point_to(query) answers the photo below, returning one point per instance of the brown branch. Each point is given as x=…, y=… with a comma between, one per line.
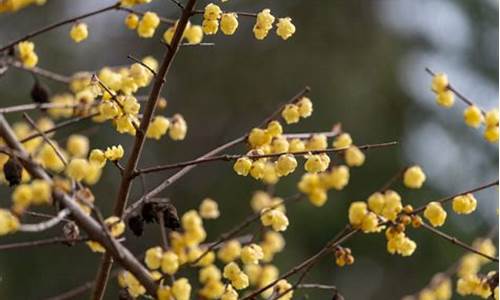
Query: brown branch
x=230, y=157
x=449, y=198
x=88, y=224
x=125, y=185
x=42, y=72
x=239, y=13
x=58, y=24
x=457, y=242
x=44, y=242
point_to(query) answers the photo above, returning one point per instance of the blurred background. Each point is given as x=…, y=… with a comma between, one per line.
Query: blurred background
x=364, y=61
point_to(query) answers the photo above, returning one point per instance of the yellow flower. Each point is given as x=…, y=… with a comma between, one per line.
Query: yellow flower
x=285, y=28
x=440, y=82
x=164, y=292
x=77, y=168
x=97, y=157
x=491, y=134
x=357, y=212
x=305, y=107
x=274, y=218
x=344, y=140
x=435, y=214
x=274, y=129
x=209, y=273
x=181, y=289
x=258, y=169
x=169, y=262
x=242, y=166
x=445, y=98
x=473, y=116
x=49, y=158
x=41, y=192
x=212, y=12
x=168, y=35
x=209, y=209
x=229, y=294
x=115, y=225
x=93, y=175
x=212, y=289
x=337, y=178
x=147, y=25
x=8, y=222
x=317, y=163
x=354, y=157
x=27, y=54
x=132, y=21
x=251, y=254
x=230, y=251
x=464, y=204
x=77, y=145
x=491, y=118
x=158, y=127
x=210, y=27
x=279, y=145
x=153, y=257
x=194, y=34
x=79, y=32
x=229, y=23
x=317, y=197
x=114, y=152
x=317, y=142
x=414, y=177
x=178, y=128
x=259, y=137
x=291, y=113
x=263, y=24
x=296, y=145
x=285, y=164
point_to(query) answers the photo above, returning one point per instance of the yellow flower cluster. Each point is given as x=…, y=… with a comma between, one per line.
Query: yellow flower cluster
x=291, y=113
x=491, y=121
x=38, y=192
x=180, y=290
x=128, y=281
x=209, y=209
x=27, y=55
x=414, y=177
x=435, y=214
x=15, y=5
x=192, y=33
x=398, y=242
x=361, y=217
x=148, y=24
x=274, y=217
x=251, y=254
x=387, y=205
x=178, y=128
x=8, y=222
x=211, y=17
x=238, y=278
x=116, y=228
x=316, y=185
x=229, y=23
x=130, y=3
x=464, y=204
x=264, y=23
x=272, y=243
x=472, y=284
x=440, y=86
x=79, y=32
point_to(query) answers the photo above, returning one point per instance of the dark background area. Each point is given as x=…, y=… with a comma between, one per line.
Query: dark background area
x=364, y=61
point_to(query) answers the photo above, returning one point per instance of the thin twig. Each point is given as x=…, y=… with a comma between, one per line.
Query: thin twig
x=46, y=224
x=42, y=72
x=142, y=64
x=457, y=242
x=44, y=242
x=133, y=11
x=46, y=139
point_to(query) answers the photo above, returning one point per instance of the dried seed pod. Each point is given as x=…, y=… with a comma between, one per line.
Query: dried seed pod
x=39, y=92
x=136, y=225
x=13, y=171
x=123, y=294
x=148, y=212
x=170, y=217
x=71, y=232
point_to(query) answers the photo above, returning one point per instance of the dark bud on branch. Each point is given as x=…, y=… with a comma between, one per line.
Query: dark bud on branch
x=150, y=211
x=136, y=225
x=13, y=171
x=39, y=92
x=71, y=233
